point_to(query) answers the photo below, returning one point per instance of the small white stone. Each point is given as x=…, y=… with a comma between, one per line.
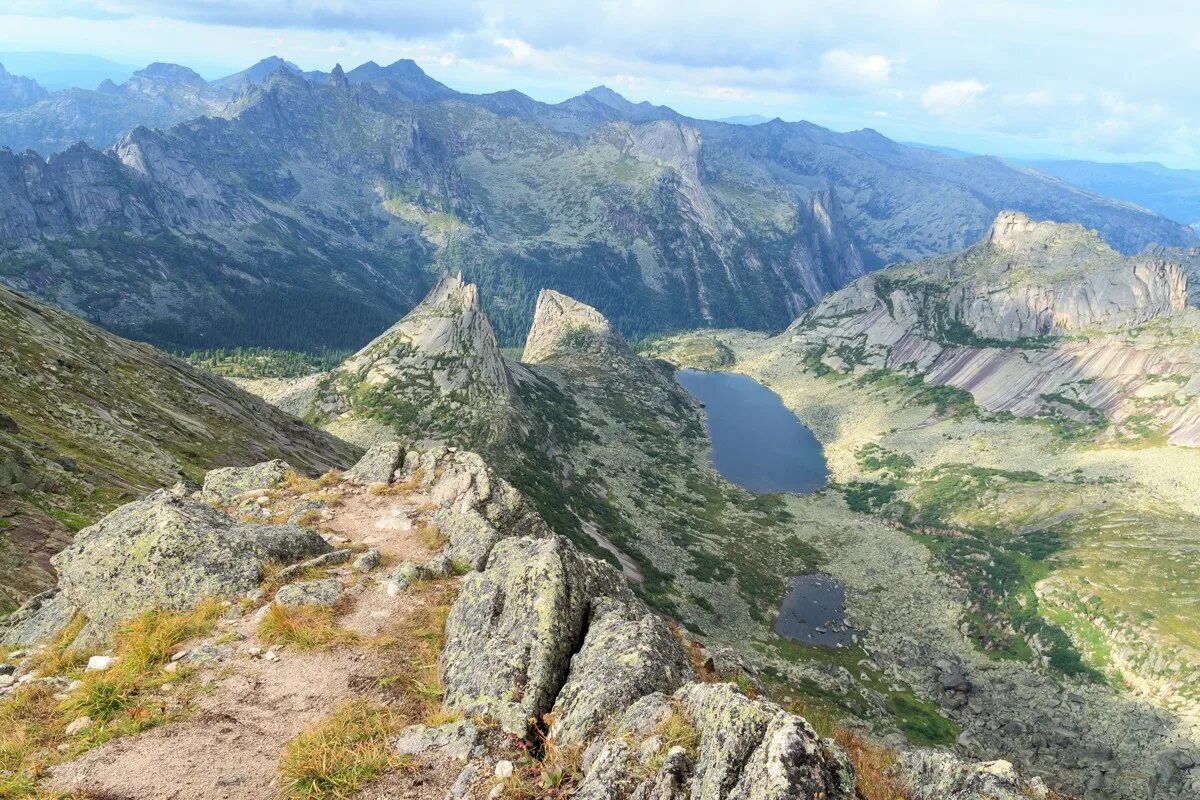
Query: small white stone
x=99, y=663
x=179, y=655
x=79, y=726
x=392, y=588
x=172, y=667
x=504, y=768
x=6, y=681
x=496, y=791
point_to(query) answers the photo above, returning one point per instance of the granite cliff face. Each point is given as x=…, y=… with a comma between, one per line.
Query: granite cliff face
x=17, y=92
x=562, y=324
x=1038, y=319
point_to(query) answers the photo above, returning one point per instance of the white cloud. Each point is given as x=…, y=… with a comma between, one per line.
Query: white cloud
x=951, y=97
x=841, y=68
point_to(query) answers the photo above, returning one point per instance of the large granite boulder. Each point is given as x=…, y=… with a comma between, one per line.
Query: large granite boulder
x=628, y=653
x=223, y=485
x=163, y=552
x=38, y=619
x=937, y=775
x=475, y=508
x=511, y=633
x=742, y=749
x=379, y=464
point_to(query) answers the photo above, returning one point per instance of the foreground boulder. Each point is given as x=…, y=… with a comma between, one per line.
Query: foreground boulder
x=510, y=635
x=379, y=464
x=163, y=552
x=628, y=653
x=735, y=748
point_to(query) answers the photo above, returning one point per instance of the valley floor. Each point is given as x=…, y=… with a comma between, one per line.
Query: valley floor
x=1113, y=712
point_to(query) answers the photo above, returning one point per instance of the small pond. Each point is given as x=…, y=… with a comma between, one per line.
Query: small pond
x=757, y=443
x=814, y=612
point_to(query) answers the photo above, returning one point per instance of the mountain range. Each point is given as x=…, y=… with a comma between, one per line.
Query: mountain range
x=271, y=195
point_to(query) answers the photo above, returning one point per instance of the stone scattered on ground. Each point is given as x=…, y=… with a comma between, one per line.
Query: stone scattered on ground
x=324, y=592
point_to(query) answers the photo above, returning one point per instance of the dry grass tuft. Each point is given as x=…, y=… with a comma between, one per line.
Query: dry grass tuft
x=60, y=657
x=342, y=753
x=406, y=486
x=431, y=537
x=303, y=627
x=415, y=642
x=872, y=767
x=294, y=483
x=121, y=700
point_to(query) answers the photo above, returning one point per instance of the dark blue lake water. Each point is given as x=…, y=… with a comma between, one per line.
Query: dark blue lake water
x=757, y=443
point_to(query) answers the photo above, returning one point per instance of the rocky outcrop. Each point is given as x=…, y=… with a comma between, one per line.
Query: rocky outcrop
x=564, y=327
x=1039, y=319
x=474, y=507
x=740, y=749
x=628, y=653
x=379, y=464
x=934, y=775
x=510, y=637
x=544, y=632
x=163, y=552
x=223, y=485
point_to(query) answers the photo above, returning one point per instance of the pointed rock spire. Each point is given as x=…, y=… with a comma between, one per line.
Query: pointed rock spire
x=437, y=373
x=564, y=326
x=338, y=77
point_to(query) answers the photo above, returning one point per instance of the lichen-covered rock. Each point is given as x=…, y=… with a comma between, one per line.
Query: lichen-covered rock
x=379, y=464
x=672, y=781
x=510, y=634
x=628, y=653
x=563, y=326
x=731, y=726
x=791, y=761
x=223, y=485
x=475, y=507
x=324, y=592
x=456, y=740
x=169, y=552
x=610, y=776
x=38, y=619
x=937, y=775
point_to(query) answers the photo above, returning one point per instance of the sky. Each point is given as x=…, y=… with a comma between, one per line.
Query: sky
x=1093, y=79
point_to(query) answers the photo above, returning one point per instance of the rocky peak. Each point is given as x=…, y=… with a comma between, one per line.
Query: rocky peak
x=252, y=76
x=17, y=91
x=166, y=73
x=403, y=78
x=438, y=373
x=563, y=325
x=607, y=96
x=1013, y=231
x=450, y=334
x=338, y=77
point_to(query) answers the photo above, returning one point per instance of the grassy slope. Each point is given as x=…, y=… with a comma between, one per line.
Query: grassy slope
x=91, y=420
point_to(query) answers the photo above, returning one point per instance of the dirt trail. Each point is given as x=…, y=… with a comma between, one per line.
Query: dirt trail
x=248, y=706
